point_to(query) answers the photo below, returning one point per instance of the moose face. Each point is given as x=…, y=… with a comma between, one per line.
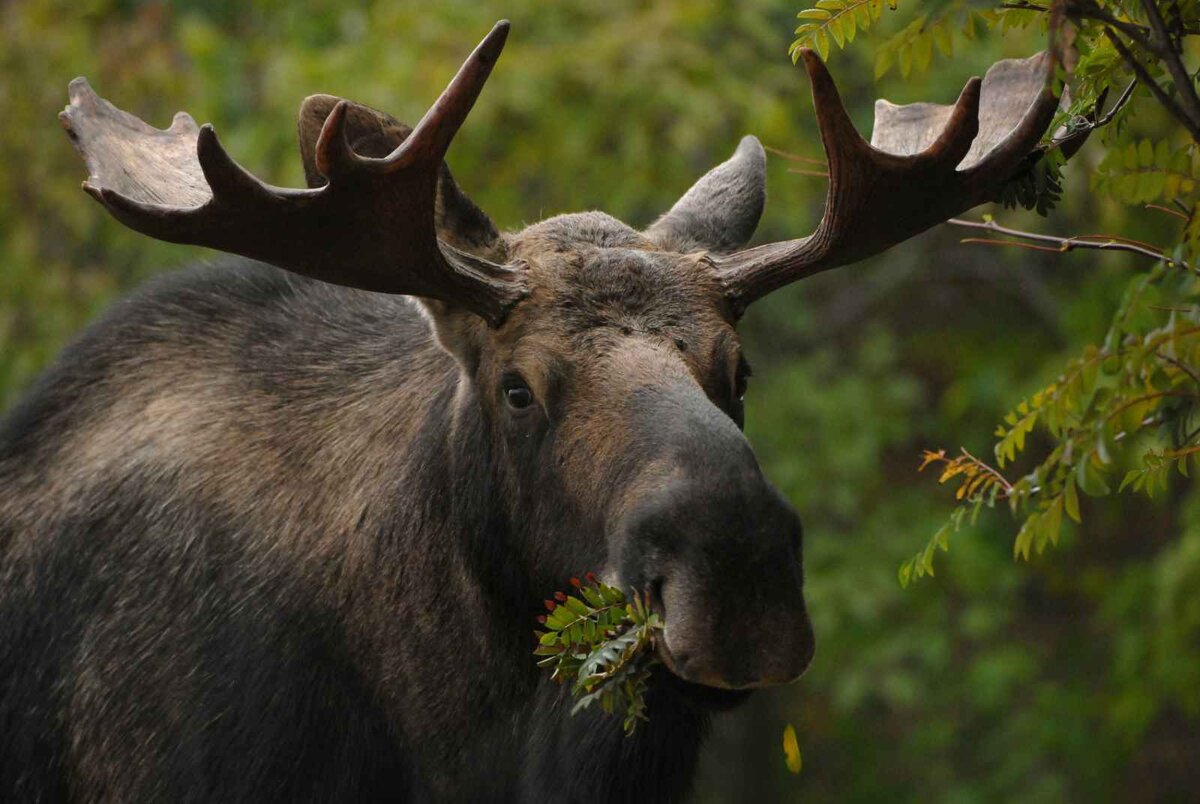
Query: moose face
x=614, y=390
x=603, y=359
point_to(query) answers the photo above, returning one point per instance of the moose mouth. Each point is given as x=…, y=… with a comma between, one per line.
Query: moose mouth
x=700, y=696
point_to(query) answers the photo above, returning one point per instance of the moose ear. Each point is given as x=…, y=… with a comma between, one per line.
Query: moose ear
x=373, y=133
x=721, y=211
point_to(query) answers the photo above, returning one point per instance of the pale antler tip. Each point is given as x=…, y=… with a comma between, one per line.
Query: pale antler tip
x=79, y=89
x=183, y=122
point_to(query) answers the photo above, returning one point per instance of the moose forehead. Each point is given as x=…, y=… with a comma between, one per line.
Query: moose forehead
x=590, y=274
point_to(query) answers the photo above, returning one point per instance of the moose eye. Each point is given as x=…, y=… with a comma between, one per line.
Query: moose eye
x=517, y=393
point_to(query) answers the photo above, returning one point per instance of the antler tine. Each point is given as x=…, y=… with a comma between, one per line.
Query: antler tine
x=431, y=137
x=925, y=163
x=226, y=178
x=429, y=141
x=334, y=156
x=954, y=142
x=838, y=134
x=376, y=233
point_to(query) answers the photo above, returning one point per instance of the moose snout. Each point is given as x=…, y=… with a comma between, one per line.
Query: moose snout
x=724, y=573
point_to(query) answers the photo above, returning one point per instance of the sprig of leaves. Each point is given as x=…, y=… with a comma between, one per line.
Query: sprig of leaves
x=1142, y=386
x=600, y=644
x=839, y=20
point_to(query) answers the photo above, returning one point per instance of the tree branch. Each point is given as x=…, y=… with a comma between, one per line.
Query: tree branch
x=1169, y=50
x=1063, y=244
x=1193, y=126
x=1138, y=33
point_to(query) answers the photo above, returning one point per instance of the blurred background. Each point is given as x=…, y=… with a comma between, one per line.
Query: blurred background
x=1074, y=677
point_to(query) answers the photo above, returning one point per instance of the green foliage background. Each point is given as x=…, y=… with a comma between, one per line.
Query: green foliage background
x=1075, y=676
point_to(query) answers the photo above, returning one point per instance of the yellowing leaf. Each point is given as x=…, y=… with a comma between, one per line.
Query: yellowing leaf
x=791, y=749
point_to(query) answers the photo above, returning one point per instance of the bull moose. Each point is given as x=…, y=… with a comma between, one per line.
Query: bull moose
x=279, y=531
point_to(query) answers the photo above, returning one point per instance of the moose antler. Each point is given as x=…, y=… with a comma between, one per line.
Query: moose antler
x=371, y=226
x=925, y=164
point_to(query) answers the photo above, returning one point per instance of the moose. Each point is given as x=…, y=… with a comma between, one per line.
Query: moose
x=278, y=527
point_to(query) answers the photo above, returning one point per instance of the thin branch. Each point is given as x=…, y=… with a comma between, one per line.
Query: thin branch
x=1168, y=210
x=1169, y=50
x=987, y=468
x=1084, y=126
x=1120, y=104
x=1105, y=238
x=1061, y=244
x=820, y=173
x=1160, y=94
x=1093, y=12
x=987, y=241
x=794, y=157
x=1137, y=400
x=1184, y=367
x=1138, y=33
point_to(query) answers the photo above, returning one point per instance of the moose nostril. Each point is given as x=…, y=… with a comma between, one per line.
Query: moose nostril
x=657, y=605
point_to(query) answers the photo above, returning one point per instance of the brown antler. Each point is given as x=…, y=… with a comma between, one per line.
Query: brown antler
x=925, y=163
x=371, y=226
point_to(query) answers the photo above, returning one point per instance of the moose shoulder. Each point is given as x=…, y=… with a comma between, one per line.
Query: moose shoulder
x=282, y=534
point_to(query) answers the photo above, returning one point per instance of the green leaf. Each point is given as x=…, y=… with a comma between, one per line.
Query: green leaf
x=1071, y=499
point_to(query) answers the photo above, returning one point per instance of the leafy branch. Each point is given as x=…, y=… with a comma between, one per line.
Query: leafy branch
x=602, y=646
x=840, y=20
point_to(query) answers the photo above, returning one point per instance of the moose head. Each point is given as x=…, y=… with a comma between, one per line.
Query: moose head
x=602, y=362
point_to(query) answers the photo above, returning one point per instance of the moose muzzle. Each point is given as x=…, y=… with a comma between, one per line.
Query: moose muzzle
x=718, y=550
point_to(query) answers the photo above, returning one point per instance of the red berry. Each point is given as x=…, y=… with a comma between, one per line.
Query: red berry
x=560, y=597
x=591, y=577
x=549, y=604
x=576, y=583
x=541, y=618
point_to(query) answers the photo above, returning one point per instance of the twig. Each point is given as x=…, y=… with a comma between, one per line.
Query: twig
x=1145, y=398
x=1160, y=94
x=1104, y=238
x=1121, y=101
x=794, y=157
x=1061, y=244
x=987, y=468
x=1168, y=210
x=821, y=173
x=1184, y=367
x=1087, y=125
x=987, y=241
